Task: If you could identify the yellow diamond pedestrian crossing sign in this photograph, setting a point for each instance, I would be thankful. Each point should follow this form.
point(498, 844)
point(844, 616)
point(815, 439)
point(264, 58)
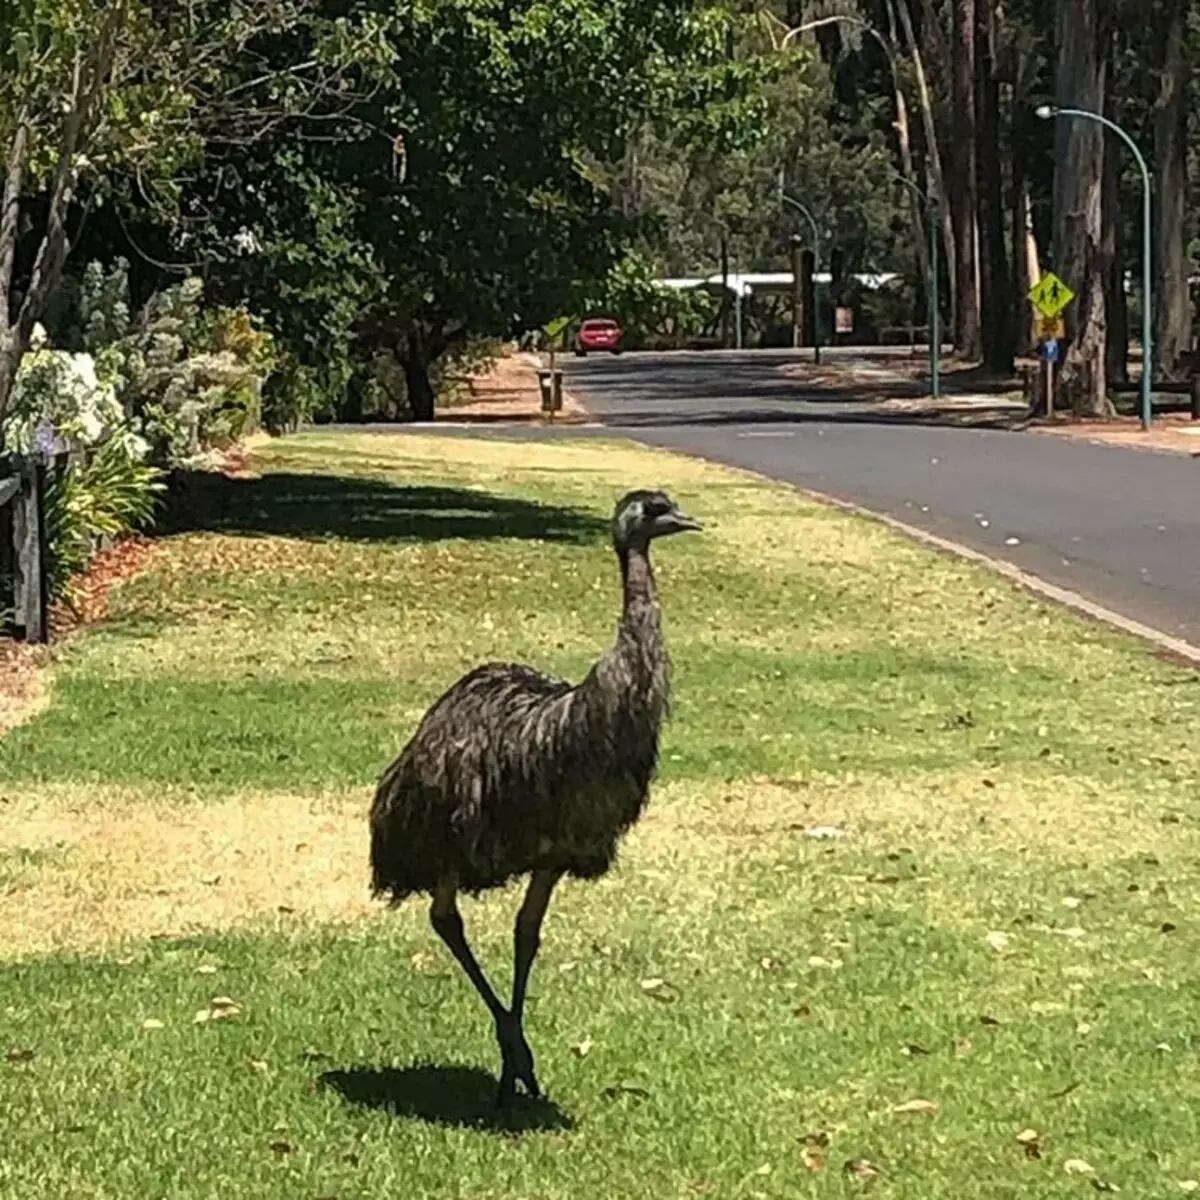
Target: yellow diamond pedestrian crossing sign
point(1050, 295)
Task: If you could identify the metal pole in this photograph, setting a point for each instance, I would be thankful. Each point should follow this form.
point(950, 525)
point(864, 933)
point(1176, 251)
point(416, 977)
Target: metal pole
point(1147, 286)
point(1050, 110)
point(930, 204)
point(816, 249)
point(935, 330)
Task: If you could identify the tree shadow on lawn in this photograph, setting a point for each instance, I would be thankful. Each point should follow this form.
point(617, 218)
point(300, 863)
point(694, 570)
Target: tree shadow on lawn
point(443, 1095)
point(357, 509)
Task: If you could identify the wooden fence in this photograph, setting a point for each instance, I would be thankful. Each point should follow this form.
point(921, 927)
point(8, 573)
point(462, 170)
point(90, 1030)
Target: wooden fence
point(24, 561)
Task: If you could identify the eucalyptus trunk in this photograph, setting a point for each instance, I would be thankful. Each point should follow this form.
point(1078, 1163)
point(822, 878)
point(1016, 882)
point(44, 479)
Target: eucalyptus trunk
point(1081, 82)
point(1173, 313)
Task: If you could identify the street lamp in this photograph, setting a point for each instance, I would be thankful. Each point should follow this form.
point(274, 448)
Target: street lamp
point(803, 209)
point(930, 201)
point(1048, 112)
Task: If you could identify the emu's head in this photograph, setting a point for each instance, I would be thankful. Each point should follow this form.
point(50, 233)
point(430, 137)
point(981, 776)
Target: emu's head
point(643, 515)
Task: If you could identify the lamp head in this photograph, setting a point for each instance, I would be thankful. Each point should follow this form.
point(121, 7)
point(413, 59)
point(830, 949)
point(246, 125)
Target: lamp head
point(1045, 111)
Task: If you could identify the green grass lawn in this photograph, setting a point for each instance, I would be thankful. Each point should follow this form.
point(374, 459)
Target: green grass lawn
point(1003, 938)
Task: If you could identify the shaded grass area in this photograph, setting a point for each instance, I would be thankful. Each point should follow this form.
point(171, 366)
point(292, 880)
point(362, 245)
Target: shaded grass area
point(1001, 923)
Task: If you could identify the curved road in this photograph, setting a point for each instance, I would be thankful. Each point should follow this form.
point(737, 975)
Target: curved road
point(1119, 526)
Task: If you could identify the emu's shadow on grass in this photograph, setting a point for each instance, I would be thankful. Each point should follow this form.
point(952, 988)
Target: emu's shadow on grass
point(443, 1095)
point(359, 509)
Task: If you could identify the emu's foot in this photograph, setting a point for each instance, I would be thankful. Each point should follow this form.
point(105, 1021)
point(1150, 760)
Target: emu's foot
point(516, 1064)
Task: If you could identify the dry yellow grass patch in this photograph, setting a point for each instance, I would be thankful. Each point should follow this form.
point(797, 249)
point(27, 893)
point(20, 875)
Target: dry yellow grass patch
point(481, 461)
point(119, 865)
point(108, 866)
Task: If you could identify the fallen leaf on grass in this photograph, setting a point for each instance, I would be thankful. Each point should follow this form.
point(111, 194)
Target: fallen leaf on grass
point(770, 964)
point(615, 1090)
point(20, 1054)
point(257, 1064)
point(660, 989)
point(1065, 1091)
point(916, 1106)
point(1078, 1166)
point(1031, 1141)
point(311, 1056)
point(825, 832)
point(864, 1168)
point(913, 1049)
point(1105, 1185)
point(153, 1023)
point(827, 964)
point(581, 1048)
point(222, 1008)
point(1189, 1185)
point(281, 1147)
point(989, 1021)
point(814, 1160)
point(206, 969)
point(996, 939)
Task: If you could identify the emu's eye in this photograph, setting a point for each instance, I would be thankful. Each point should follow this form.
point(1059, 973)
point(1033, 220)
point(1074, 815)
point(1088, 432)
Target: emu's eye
point(657, 506)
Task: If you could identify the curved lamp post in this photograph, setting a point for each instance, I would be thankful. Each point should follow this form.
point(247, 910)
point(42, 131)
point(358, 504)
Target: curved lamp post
point(806, 212)
point(930, 201)
point(1048, 112)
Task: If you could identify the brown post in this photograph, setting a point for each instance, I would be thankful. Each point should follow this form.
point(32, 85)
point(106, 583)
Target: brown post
point(797, 295)
point(808, 328)
point(29, 536)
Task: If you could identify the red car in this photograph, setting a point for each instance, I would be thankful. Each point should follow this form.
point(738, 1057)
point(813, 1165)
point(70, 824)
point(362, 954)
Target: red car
point(598, 333)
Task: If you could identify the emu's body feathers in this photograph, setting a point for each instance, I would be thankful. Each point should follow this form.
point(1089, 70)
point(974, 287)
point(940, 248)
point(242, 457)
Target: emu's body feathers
point(512, 770)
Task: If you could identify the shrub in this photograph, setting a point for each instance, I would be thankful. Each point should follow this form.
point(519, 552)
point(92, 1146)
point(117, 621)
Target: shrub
point(64, 406)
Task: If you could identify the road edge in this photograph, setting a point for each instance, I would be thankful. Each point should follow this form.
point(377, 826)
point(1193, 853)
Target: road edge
point(1172, 646)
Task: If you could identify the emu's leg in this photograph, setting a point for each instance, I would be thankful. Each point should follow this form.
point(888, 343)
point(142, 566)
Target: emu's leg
point(517, 1056)
point(447, 921)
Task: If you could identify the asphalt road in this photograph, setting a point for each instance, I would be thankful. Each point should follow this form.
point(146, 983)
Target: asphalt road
point(1120, 527)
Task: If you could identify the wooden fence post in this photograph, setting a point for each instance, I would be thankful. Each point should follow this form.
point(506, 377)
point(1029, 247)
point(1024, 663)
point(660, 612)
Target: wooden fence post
point(31, 583)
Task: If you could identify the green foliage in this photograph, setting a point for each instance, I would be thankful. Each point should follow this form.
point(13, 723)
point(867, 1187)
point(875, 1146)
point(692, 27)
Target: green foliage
point(105, 494)
point(498, 219)
point(651, 316)
point(191, 376)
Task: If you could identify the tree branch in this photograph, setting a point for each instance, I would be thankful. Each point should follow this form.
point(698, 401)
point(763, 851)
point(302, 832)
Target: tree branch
point(10, 211)
point(52, 252)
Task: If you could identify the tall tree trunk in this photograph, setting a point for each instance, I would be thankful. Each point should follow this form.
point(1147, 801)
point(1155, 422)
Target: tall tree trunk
point(1080, 82)
point(904, 140)
point(995, 285)
point(933, 156)
point(964, 200)
point(1173, 315)
point(10, 359)
point(1022, 276)
point(1115, 300)
point(417, 384)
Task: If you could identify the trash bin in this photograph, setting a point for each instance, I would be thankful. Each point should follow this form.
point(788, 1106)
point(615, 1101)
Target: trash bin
point(550, 383)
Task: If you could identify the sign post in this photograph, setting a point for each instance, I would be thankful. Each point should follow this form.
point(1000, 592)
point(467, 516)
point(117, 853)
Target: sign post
point(1050, 296)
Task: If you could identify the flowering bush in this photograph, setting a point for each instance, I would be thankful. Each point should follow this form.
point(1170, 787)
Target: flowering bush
point(63, 403)
point(60, 403)
point(194, 376)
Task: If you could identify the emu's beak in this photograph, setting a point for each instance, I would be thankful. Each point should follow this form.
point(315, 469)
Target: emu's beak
point(679, 522)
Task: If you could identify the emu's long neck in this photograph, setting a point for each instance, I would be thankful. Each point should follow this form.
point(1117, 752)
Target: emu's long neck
point(639, 646)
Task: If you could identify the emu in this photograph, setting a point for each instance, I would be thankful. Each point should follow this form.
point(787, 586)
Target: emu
point(514, 772)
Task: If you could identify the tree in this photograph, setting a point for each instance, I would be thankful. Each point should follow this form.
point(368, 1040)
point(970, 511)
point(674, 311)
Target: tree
point(98, 96)
point(1080, 78)
point(1173, 313)
point(964, 196)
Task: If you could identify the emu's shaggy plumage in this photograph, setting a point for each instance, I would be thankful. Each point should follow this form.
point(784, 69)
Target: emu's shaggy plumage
point(513, 772)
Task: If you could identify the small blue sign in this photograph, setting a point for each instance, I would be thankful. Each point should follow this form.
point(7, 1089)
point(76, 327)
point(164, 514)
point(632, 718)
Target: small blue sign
point(1049, 350)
